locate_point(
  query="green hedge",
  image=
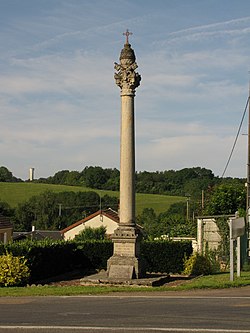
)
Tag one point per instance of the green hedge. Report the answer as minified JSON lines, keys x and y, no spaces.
{"x":165,"y":256}
{"x":49,"y":258}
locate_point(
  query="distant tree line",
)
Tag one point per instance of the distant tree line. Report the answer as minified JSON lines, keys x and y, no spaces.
{"x":93,"y":177}
{"x":52,"y":210}
{"x":184,"y":182}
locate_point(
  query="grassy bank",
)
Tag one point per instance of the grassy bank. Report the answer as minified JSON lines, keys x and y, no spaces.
{"x":217,"y":281}
{"x":15,"y":193}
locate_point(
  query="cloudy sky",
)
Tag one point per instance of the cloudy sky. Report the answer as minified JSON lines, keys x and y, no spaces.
{"x":60,"y":107}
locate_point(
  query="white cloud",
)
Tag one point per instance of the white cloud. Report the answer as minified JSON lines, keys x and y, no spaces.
{"x":230,"y":28}
{"x":192,"y":150}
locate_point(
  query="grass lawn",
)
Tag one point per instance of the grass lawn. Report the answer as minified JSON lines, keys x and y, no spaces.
{"x":15,"y":193}
{"x":215,"y":281}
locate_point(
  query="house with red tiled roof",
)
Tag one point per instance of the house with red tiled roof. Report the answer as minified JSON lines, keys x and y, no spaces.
{"x":6,"y":229}
{"x":107,"y":218}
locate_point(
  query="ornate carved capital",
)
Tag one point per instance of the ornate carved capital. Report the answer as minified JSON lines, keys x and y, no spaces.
{"x":126,"y":78}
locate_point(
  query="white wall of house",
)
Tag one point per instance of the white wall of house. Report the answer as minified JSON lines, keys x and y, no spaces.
{"x":207,"y":234}
{"x":95,"y":222}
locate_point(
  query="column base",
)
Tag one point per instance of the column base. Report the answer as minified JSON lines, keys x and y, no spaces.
{"x":126,"y":263}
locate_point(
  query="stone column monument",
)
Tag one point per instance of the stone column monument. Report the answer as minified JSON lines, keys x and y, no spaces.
{"x":125,"y":262}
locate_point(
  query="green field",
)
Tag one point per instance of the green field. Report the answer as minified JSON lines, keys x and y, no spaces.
{"x":15,"y":193}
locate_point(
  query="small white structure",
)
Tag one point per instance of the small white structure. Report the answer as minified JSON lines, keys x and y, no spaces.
{"x":107,"y":218}
{"x":32,"y":174}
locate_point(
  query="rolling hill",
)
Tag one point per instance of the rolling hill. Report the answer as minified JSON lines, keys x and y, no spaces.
{"x":15,"y":193}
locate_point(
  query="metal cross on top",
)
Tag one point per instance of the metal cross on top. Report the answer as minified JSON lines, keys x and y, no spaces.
{"x":127,"y":34}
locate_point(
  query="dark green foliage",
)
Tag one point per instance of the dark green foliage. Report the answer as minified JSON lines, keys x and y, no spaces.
{"x":97,"y":252}
{"x":171,"y":223}
{"x":51,"y":210}
{"x":93,"y":177}
{"x":180,"y":182}
{"x":223,"y":250}
{"x":149,"y":221}
{"x":197,"y":264}
{"x":175,"y":222}
{"x":64,"y":177}
{"x":226,"y":199}
{"x":165,"y":256}
{"x":6,"y":175}
{"x":170,"y":182}
{"x":49,"y":258}
{"x":97,"y":177}
{"x":91,"y":234}
{"x":109,"y":202}
{"x":5,"y":209}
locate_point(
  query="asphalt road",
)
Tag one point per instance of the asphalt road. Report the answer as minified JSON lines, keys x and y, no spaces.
{"x":218,"y":311}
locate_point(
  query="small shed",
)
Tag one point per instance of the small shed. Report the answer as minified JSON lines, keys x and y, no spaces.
{"x":107,"y":218}
{"x":6,"y":229}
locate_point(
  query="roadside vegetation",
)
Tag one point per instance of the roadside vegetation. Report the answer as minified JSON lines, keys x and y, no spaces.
{"x":167,"y":206}
{"x":216,"y":281}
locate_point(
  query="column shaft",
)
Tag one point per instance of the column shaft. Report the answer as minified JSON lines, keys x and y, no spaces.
{"x":127,"y":161}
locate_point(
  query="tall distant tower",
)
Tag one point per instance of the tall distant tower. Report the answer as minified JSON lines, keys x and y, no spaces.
{"x":32,"y":174}
{"x":125,"y":262}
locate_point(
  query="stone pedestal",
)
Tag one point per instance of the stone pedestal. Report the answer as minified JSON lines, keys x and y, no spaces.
{"x":125,"y":262}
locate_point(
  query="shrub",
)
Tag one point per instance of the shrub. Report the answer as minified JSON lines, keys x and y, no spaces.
{"x":13,"y":270}
{"x":165,"y":256}
{"x":97,"y":252}
{"x":91,"y":234}
{"x":197,"y":265}
{"x":48,"y":258}
{"x":246,"y":266}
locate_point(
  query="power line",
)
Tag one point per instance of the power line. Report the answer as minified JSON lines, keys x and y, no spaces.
{"x":236,"y":138}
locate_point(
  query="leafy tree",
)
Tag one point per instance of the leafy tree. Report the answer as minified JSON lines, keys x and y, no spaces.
{"x":175,"y":221}
{"x":91,"y":234}
{"x":24,"y":217}
{"x":109,"y":202}
{"x":149,"y":221}
{"x":113,"y":181}
{"x":226,"y":199}
{"x":94,"y":177}
{"x":74,"y":178}
{"x":5,"y":175}
{"x":51,"y":210}
{"x":5,"y":209}
{"x":171,"y":223}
